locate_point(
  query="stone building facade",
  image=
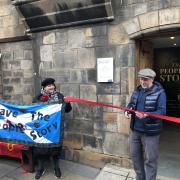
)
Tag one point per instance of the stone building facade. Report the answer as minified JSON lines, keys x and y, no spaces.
{"x":94,"y":135}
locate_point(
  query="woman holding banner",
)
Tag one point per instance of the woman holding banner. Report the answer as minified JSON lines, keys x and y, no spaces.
{"x":49,"y":94}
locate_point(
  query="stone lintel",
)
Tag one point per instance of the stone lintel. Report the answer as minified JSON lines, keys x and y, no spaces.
{"x":149,"y":20}
{"x":169,"y":16}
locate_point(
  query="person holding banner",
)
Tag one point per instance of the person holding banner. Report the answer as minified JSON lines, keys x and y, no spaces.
{"x":149,"y":97}
{"x":49,"y":94}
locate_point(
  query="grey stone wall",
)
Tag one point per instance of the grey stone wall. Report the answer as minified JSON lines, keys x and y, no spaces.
{"x":126,"y":9}
{"x":16,"y":68}
{"x":17,"y":71}
{"x":69,"y":55}
{"x":11,"y":26}
{"x":94,"y":135}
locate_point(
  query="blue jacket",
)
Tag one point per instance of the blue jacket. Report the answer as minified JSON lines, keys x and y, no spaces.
{"x":152,"y":100}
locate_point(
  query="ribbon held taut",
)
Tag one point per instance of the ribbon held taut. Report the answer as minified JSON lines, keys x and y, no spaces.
{"x":168,"y":118}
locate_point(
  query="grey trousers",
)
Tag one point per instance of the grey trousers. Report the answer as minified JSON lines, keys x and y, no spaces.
{"x":144,"y":153}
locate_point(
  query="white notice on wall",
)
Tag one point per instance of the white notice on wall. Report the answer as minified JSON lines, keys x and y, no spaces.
{"x":105,"y":69}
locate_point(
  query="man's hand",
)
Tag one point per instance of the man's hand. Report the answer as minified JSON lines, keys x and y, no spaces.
{"x":140,"y":115}
{"x":127,"y":115}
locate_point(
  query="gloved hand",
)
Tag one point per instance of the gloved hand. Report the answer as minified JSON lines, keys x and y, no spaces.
{"x":44,"y":98}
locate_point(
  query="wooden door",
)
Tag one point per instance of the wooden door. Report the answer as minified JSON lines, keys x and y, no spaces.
{"x":145,"y":55}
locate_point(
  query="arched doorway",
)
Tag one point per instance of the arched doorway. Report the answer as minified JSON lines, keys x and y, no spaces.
{"x":158,"y":47}
{"x":162,"y":53}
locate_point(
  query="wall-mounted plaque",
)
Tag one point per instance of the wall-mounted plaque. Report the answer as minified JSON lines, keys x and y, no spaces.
{"x":105,"y":69}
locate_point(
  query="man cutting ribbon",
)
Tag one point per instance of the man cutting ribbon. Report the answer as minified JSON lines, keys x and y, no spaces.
{"x":149,"y":97}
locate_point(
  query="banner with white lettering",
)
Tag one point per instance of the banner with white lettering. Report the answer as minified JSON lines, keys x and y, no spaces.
{"x":36,"y":124}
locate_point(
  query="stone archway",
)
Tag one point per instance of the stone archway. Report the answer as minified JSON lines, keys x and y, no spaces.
{"x":153,"y":22}
{"x":145,"y":27}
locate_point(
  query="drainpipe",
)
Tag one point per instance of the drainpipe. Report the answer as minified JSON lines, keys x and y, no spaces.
{"x":1,"y":79}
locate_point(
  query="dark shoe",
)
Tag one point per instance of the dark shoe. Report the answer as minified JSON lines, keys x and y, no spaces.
{"x":40,"y":173}
{"x":57,"y":173}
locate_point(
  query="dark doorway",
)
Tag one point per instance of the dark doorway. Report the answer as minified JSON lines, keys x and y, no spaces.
{"x":167,"y":66}
{"x":162,"y":53}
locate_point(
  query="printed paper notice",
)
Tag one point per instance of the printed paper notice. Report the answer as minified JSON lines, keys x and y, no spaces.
{"x":105,"y":69}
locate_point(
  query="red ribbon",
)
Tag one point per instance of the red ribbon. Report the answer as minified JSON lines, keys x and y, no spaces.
{"x":168,"y":118}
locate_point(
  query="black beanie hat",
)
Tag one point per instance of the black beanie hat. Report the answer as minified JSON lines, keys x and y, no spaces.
{"x":47,"y":82}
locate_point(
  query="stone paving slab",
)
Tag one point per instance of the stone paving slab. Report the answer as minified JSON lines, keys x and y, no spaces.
{"x":115,"y":172}
{"x":110,"y":176}
{"x":166,"y":178}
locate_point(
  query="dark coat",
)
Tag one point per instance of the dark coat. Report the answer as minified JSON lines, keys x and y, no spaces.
{"x":52,"y":150}
{"x":155,"y":103}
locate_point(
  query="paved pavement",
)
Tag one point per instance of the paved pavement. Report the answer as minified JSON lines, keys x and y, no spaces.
{"x":10,"y":169}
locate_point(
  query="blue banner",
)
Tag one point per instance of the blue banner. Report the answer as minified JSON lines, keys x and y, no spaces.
{"x":36,"y":124}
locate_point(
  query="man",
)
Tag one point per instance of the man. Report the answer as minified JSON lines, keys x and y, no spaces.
{"x":149,"y":97}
